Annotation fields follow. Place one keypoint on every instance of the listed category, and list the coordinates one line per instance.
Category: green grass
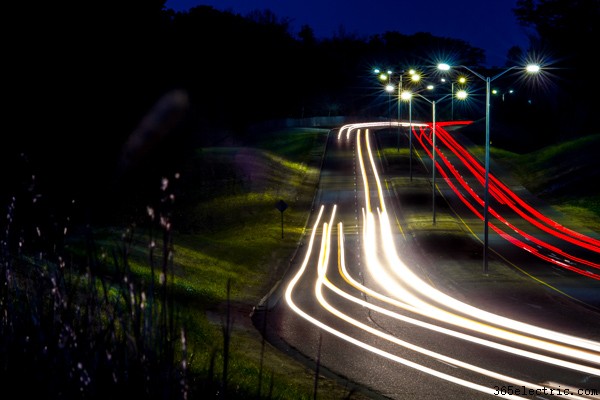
(204, 257)
(239, 240)
(564, 175)
(231, 235)
(227, 246)
(225, 252)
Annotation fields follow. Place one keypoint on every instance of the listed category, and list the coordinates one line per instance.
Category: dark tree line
(101, 99)
(81, 77)
(568, 32)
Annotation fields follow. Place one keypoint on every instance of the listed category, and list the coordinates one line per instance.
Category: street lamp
(461, 95)
(389, 87)
(415, 77)
(387, 76)
(531, 69)
(461, 81)
(407, 96)
(496, 92)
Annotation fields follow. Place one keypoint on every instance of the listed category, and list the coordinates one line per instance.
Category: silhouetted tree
(514, 56)
(80, 80)
(307, 35)
(565, 31)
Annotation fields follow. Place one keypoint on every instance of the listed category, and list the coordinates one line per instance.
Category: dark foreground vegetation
(139, 226)
(161, 308)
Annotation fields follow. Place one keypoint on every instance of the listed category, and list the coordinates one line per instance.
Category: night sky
(489, 25)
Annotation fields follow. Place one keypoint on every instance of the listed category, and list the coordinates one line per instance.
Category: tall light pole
(495, 92)
(452, 99)
(415, 77)
(461, 94)
(532, 69)
(387, 76)
(407, 96)
(399, 112)
(461, 81)
(388, 88)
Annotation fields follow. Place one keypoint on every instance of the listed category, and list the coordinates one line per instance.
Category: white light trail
(410, 280)
(408, 292)
(321, 268)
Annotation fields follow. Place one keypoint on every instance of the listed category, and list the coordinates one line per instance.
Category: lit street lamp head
(530, 69)
(461, 94)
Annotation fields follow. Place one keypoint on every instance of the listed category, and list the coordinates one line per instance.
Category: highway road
(380, 296)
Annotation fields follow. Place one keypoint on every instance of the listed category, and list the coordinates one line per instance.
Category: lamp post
(399, 112)
(495, 92)
(461, 81)
(452, 99)
(383, 76)
(532, 69)
(389, 87)
(415, 77)
(407, 96)
(461, 94)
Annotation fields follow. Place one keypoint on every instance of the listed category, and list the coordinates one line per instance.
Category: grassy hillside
(564, 175)
(170, 298)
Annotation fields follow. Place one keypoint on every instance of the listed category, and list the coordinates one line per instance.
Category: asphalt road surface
(381, 296)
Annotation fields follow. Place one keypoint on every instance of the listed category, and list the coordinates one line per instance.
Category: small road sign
(281, 206)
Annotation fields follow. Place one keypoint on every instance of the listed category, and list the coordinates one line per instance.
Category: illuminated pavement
(379, 295)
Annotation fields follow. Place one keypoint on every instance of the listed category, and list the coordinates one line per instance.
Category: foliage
(71, 330)
(561, 175)
(152, 312)
(561, 31)
(128, 56)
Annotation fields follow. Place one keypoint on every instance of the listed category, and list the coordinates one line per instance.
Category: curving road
(369, 299)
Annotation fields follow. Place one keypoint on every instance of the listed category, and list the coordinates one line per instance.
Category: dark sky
(487, 24)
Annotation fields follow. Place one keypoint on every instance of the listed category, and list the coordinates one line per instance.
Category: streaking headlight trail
(398, 294)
